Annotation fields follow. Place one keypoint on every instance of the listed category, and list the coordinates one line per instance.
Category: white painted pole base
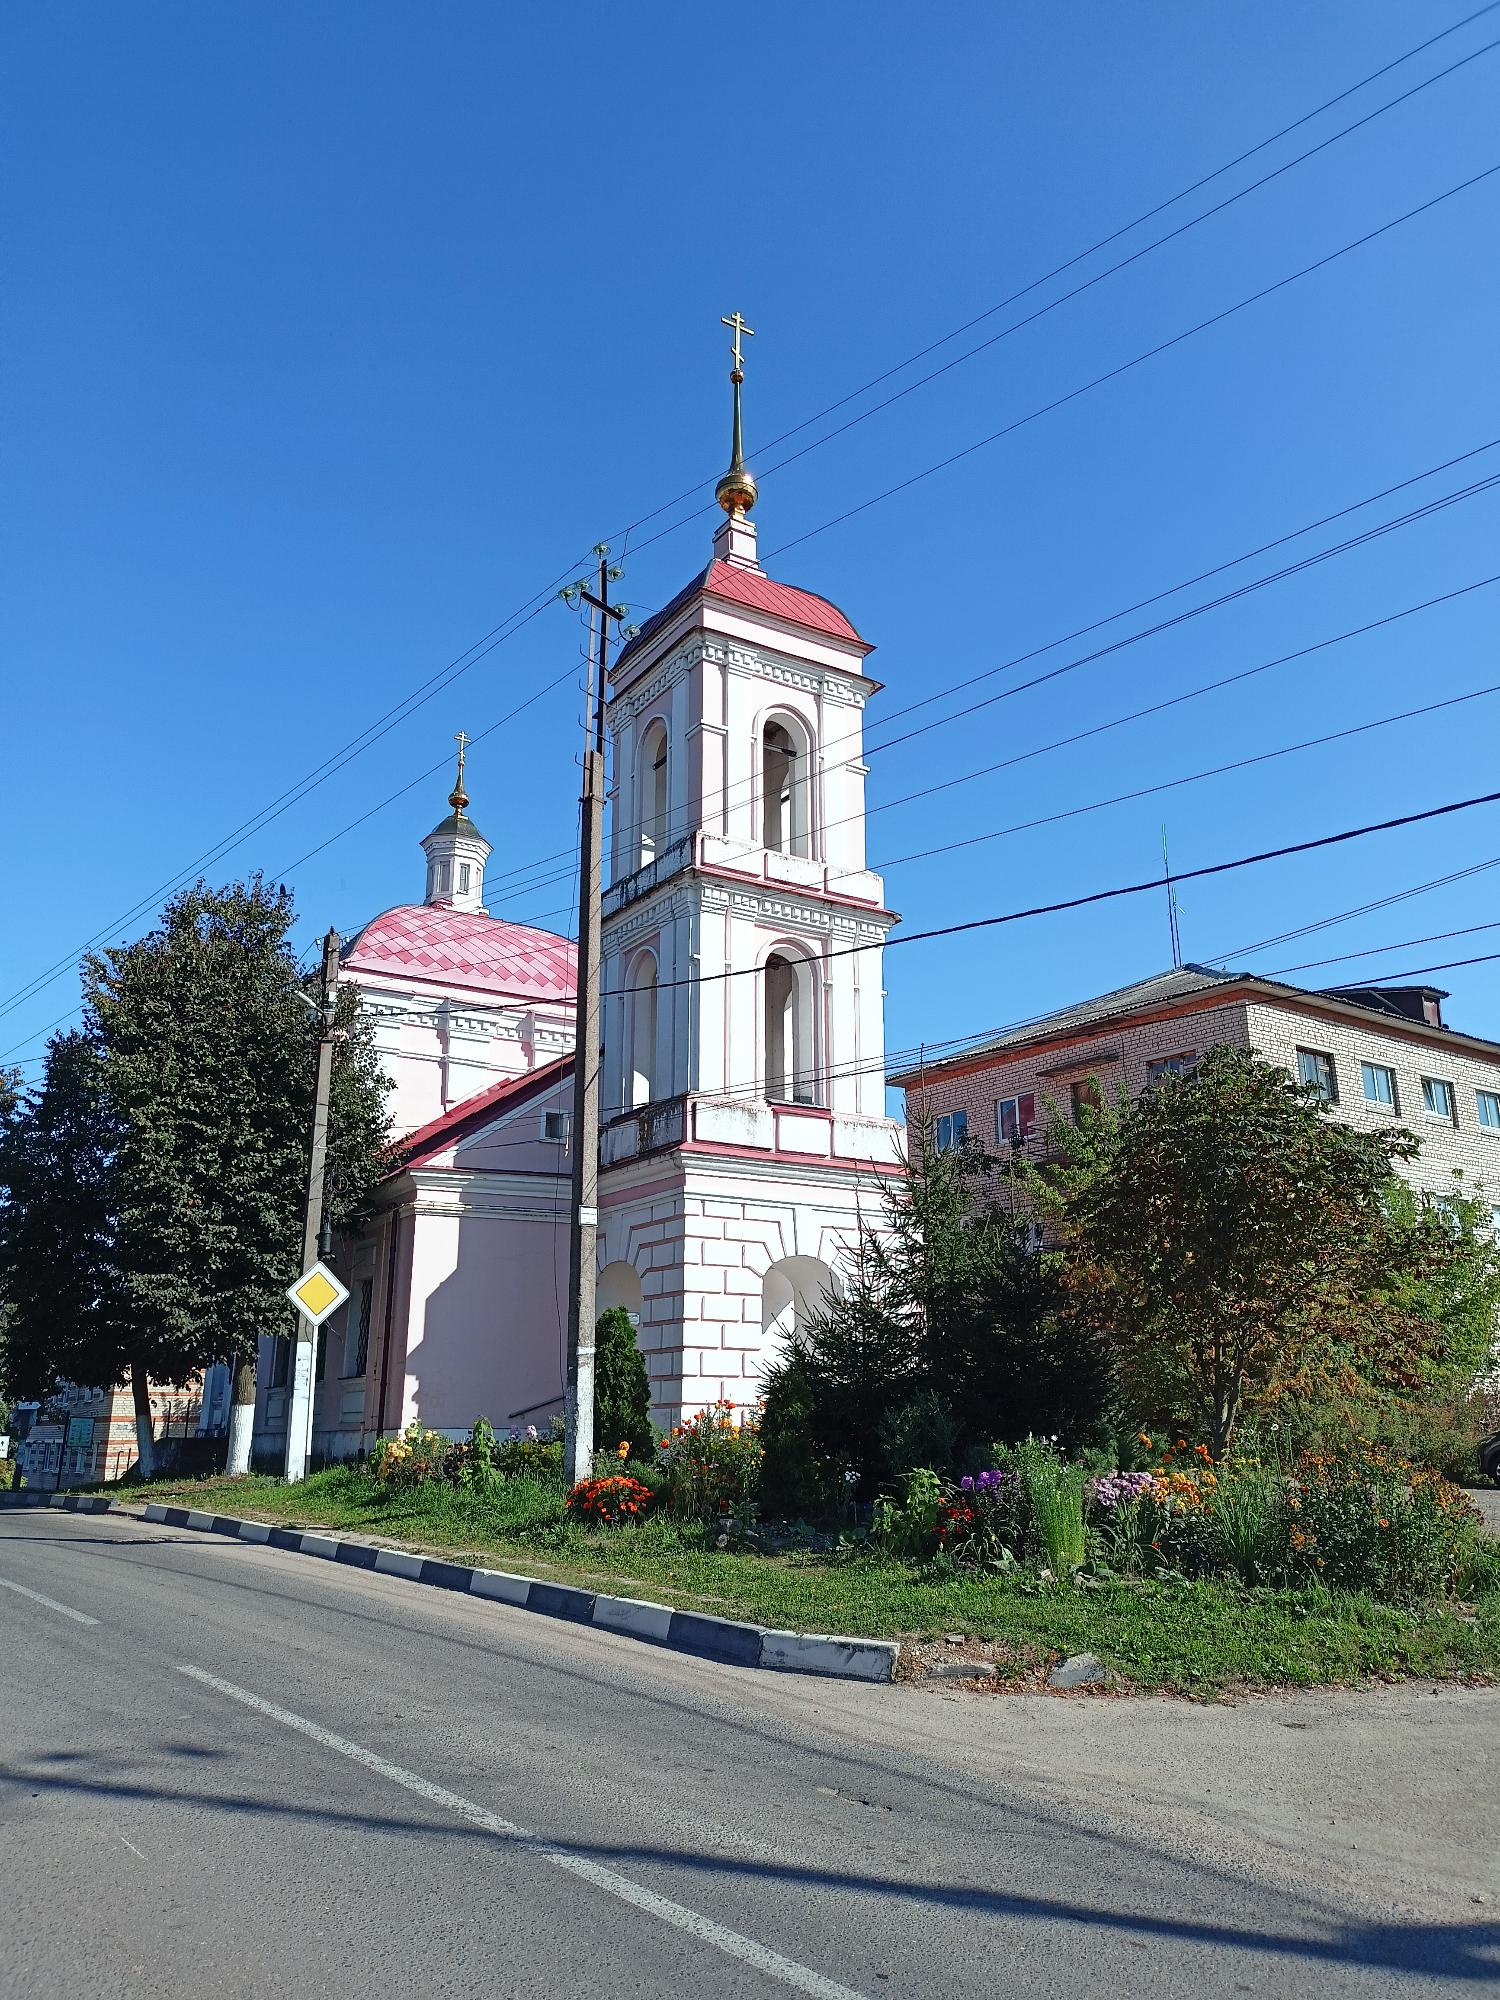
(241, 1430)
(299, 1406)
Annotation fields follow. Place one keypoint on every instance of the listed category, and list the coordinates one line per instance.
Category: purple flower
(1117, 1489)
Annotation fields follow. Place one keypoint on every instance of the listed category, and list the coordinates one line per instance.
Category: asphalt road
(229, 1770)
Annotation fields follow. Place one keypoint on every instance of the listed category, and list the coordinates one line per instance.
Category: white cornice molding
(846, 686)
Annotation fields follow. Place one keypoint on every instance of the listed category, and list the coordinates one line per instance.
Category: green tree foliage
(622, 1391)
(948, 1303)
(1242, 1251)
(794, 1477)
(208, 1063)
(58, 1148)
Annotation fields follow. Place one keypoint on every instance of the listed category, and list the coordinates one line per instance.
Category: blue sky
(336, 332)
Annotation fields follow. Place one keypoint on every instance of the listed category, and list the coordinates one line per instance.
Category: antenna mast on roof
(1166, 862)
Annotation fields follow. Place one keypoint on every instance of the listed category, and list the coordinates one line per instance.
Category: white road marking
(132, 1846)
(801, 1977)
(50, 1602)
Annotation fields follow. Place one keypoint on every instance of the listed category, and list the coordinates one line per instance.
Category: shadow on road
(1455, 1952)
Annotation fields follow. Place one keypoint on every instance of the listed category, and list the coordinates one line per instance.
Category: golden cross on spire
(738, 326)
(458, 798)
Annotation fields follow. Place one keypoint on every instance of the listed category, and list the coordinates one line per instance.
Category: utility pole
(299, 1407)
(583, 1231)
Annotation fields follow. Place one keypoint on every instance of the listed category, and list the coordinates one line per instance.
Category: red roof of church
(462, 1120)
(464, 948)
(757, 593)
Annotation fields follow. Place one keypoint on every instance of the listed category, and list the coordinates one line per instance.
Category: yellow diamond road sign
(317, 1293)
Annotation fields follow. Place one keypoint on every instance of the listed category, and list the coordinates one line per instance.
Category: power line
(724, 793)
(902, 486)
(1359, 910)
(1079, 257)
(1152, 885)
(1154, 708)
(1148, 354)
(1370, 951)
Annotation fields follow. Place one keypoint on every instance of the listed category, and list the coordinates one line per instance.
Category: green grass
(1197, 1638)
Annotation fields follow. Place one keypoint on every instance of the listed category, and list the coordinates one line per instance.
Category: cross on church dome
(456, 850)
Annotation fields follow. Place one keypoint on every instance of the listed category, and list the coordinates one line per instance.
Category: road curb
(721, 1639)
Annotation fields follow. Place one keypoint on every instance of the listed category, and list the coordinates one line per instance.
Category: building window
(952, 1131)
(653, 792)
(643, 1030)
(1178, 1065)
(556, 1126)
(1317, 1069)
(1495, 1224)
(784, 773)
(357, 1350)
(444, 877)
(1085, 1095)
(1487, 1108)
(1379, 1084)
(1015, 1118)
(1437, 1098)
(789, 1031)
(463, 878)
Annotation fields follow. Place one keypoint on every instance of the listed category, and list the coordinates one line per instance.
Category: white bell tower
(744, 1135)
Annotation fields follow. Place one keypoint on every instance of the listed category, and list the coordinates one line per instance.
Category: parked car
(1489, 1457)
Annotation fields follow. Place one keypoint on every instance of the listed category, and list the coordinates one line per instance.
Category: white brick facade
(1119, 1044)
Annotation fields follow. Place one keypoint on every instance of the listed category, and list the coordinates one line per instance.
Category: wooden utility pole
(583, 1227)
(299, 1404)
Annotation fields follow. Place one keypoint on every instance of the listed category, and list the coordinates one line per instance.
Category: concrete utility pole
(299, 1407)
(584, 1222)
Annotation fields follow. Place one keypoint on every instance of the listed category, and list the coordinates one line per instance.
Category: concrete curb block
(696, 1632)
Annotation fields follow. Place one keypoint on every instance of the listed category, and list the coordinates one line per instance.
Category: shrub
(922, 1431)
(923, 1519)
(531, 1454)
(608, 1503)
(471, 1464)
(417, 1458)
(1368, 1521)
(795, 1480)
(622, 1392)
(711, 1463)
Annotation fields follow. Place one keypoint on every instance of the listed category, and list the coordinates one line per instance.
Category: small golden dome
(736, 491)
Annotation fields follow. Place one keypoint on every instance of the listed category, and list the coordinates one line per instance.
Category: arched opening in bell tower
(789, 1032)
(642, 1029)
(652, 828)
(785, 765)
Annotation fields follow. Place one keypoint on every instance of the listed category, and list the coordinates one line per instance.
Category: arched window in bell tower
(642, 1030)
(652, 813)
(790, 985)
(785, 766)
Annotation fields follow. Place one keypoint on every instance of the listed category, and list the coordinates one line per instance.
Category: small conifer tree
(622, 1393)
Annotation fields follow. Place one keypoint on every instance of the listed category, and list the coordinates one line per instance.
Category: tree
(794, 1481)
(622, 1392)
(1237, 1248)
(949, 1311)
(58, 1148)
(209, 1068)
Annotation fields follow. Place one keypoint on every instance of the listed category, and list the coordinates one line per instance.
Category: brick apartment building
(1381, 1056)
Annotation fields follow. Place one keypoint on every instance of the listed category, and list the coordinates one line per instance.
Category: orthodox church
(743, 1133)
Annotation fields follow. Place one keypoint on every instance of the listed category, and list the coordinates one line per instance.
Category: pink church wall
(485, 1334)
